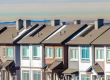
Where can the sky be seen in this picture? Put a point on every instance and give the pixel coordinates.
(66, 10)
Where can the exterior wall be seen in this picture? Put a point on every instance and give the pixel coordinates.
(4, 54)
(64, 56)
(31, 62)
(17, 55)
(83, 66)
(30, 72)
(101, 63)
(72, 64)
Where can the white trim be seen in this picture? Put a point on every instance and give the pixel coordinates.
(56, 32)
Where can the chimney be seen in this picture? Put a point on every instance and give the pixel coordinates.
(55, 22)
(63, 23)
(77, 21)
(27, 23)
(19, 24)
(98, 23)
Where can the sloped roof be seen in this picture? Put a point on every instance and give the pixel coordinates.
(88, 36)
(97, 69)
(103, 39)
(66, 33)
(39, 36)
(6, 63)
(69, 71)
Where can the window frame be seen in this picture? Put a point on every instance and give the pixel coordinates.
(46, 52)
(70, 54)
(107, 54)
(33, 53)
(22, 73)
(22, 52)
(107, 76)
(99, 48)
(102, 77)
(81, 54)
(36, 71)
(57, 53)
(85, 75)
(6, 52)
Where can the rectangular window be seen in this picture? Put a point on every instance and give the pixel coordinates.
(25, 75)
(108, 54)
(99, 54)
(102, 78)
(74, 54)
(49, 52)
(9, 52)
(37, 75)
(108, 78)
(85, 77)
(76, 78)
(58, 52)
(36, 52)
(85, 53)
(25, 50)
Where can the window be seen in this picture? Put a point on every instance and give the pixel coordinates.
(108, 54)
(37, 75)
(85, 53)
(49, 52)
(85, 77)
(99, 54)
(25, 75)
(108, 78)
(58, 52)
(74, 54)
(102, 78)
(76, 78)
(25, 51)
(36, 51)
(9, 52)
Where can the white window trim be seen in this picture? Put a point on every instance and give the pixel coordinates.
(85, 58)
(107, 55)
(25, 72)
(33, 54)
(10, 52)
(102, 77)
(73, 59)
(96, 54)
(53, 52)
(36, 71)
(57, 53)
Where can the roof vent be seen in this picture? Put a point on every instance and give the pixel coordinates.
(98, 23)
(55, 22)
(64, 31)
(77, 21)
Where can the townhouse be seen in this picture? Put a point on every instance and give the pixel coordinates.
(56, 53)
(88, 53)
(32, 56)
(10, 51)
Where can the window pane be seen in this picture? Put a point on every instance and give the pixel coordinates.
(56, 52)
(108, 55)
(36, 51)
(25, 51)
(60, 52)
(98, 54)
(9, 52)
(76, 53)
(49, 52)
(72, 53)
(25, 75)
(37, 76)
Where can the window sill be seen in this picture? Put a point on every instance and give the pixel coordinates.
(36, 58)
(99, 60)
(48, 58)
(25, 58)
(85, 61)
(73, 60)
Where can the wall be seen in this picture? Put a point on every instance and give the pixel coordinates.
(31, 62)
(72, 64)
(83, 66)
(17, 55)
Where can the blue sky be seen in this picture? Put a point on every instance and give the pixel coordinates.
(11, 10)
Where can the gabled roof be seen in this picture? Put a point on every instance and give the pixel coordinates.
(65, 34)
(70, 71)
(38, 37)
(6, 34)
(97, 69)
(103, 39)
(89, 35)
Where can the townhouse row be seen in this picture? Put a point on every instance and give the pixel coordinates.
(55, 52)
